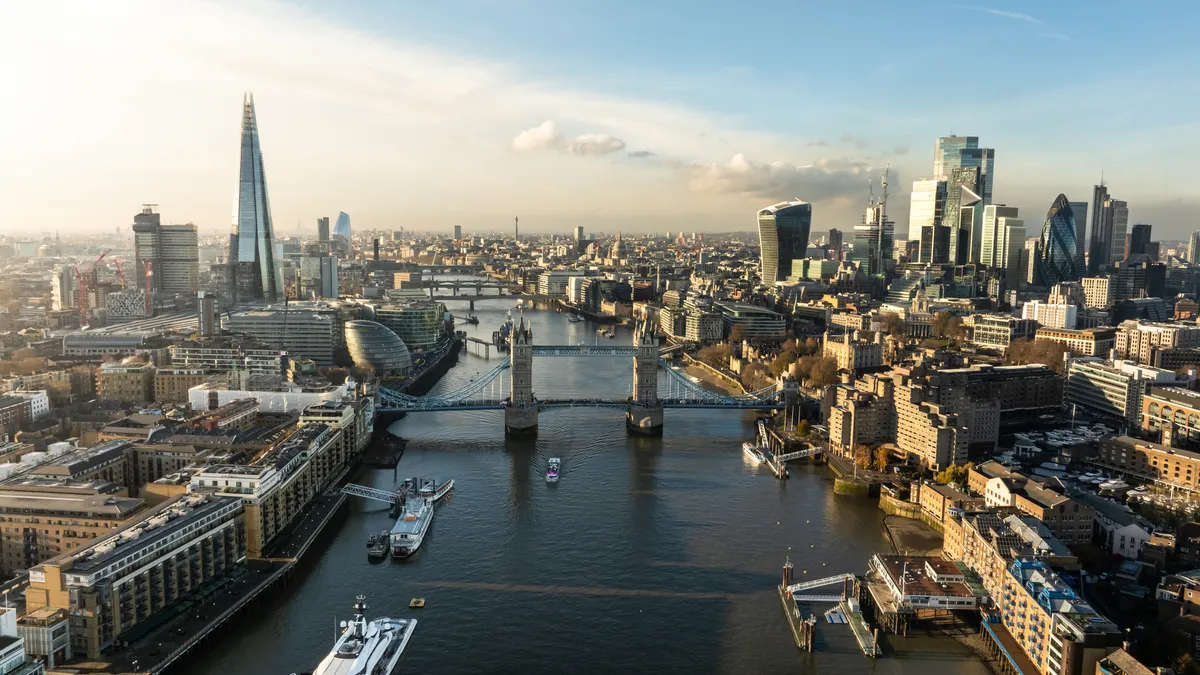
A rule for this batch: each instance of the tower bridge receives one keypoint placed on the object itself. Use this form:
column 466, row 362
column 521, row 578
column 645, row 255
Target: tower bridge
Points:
column 643, row 407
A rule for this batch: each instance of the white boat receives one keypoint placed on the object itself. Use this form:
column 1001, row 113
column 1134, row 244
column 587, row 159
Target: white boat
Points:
column 552, row 467
column 367, row 647
column 1115, row 484
column 753, row 453
column 410, row 528
column 431, row 490
column 574, row 318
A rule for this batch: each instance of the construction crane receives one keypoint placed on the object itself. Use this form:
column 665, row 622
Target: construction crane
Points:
column 120, row 272
column 149, row 296
column 81, row 280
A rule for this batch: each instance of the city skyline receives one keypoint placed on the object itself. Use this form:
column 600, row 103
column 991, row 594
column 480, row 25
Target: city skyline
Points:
column 429, row 114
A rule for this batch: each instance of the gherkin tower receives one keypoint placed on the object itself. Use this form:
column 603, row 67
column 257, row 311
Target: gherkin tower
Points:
column 1057, row 258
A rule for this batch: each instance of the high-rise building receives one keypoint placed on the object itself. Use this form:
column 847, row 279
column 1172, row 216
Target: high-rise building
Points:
column 578, row 233
column 961, row 152
column 1118, row 216
column 783, row 237
column 1008, row 249
column 1080, row 211
column 1101, row 234
column 835, row 244
column 457, row 232
column 173, row 252
column 323, row 228
column 64, row 291
column 1137, row 241
column 925, row 209
column 874, row 239
column 256, row 276
column 329, row 277
column 1193, row 249
column 993, row 251
column 1056, row 259
column 964, row 200
column 341, row 231
column 209, row 323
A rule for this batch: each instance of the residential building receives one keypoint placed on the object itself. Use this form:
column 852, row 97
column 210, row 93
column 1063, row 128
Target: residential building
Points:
column 1172, row 415
column 1112, row 389
column 254, row 272
column 1083, row 342
column 227, row 354
column 1098, row 292
column 939, row 501
column 997, row 331
column 1150, row 461
column 273, row 393
column 862, row 416
column 47, row 635
column 128, row 381
column 173, row 252
column 171, row 384
column 149, row 462
column 105, row 462
column 1050, row 316
column 39, row 403
column 127, row 579
column 783, row 231
column 1119, row 530
column 926, row 430
column 1070, row 520
column 1138, row 340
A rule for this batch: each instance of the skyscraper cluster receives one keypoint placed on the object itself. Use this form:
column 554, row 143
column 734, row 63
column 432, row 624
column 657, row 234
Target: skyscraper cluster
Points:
column 946, row 216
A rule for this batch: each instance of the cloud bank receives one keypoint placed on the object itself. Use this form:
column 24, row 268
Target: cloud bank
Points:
column 825, row 179
column 546, row 136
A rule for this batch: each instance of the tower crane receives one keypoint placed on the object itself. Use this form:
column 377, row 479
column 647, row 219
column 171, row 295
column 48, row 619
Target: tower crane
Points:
column 82, row 281
column 149, row 295
column 120, row 271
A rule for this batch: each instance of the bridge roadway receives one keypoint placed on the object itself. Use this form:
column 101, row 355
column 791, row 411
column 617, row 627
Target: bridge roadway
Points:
column 609, row 403
column 510, row 298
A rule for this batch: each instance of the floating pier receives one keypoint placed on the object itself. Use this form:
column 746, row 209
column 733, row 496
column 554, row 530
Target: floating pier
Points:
column 847, row 611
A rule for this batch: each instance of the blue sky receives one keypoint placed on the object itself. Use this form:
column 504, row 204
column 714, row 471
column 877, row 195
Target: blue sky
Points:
column 394, row 110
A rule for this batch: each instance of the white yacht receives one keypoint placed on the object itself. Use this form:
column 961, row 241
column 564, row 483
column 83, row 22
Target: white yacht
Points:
column 552, row 467
column 753, row 453
column 367, row 647
column 410, row 528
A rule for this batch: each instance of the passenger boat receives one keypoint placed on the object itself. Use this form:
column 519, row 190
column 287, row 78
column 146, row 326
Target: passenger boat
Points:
column 431, row 490
column 409, row 530
column 753, row 453
column 552, row 468
column 367, row 647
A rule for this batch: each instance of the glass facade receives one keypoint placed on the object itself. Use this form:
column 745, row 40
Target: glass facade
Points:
column 993, row 250
column 374, row 346
column 1056, row 259
column 783, row 237
column 963, row 200
column 252, row 247
column 421, row 325
column 341, row 229
column 925, row 209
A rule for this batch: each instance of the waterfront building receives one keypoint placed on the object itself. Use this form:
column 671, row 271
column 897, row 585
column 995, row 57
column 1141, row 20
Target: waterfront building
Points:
column 171, row 384
column 988, row 542
column 783, row 231
column 151, row 461
column 278, row 485
column 274, row 394
column 927, row 431
column 420, row 324
column 1113, row 390
column 45, row 517
column 310, row 333
column 554, row 282
column 997, row 331
column 1057, row 255
column 756, row 324
column 1149, row 461
column 374, row 347
column 47, row 636
column 173, row 252
column 1139, row 340
column 354, row 419
column 127, row 381
column 1084, row 341
column 226, row 354
column 921, row 582
column 1098, row 292
column 1172, row 416
column 125, row 579
column 939, row 501
column 1050, row 316
column 241, row 414
column 864, row 414
column 255, row 274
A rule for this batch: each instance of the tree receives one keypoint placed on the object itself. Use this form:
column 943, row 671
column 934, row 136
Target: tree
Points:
column 825, row 372
column 716, row 355
column 862, row 456
column 893, row 325
column 781, row 363
column 955, row 473
column 947, row 325
column 803, row 428
column 1046, row 352
column 881, row 458
column 737, row 333
column 755, row 377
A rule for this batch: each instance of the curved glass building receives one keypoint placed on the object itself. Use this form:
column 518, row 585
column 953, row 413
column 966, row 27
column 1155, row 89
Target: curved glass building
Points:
column 783, row 237
column 1056, row 261
column 373, row 346
column 256, row 276
column 341, row 229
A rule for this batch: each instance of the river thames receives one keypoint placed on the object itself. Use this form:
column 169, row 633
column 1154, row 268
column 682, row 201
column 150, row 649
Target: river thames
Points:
column 651, row 555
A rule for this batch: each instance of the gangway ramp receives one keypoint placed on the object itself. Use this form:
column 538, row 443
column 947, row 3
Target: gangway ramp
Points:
column 817, row 583
column 817, row 598
column 373, row 493
column 807, row 452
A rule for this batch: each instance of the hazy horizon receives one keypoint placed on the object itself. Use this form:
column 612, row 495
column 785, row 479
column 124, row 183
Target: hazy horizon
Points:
column 627, row 118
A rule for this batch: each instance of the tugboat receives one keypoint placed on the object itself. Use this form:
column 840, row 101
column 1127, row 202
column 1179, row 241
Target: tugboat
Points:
column 371, row 540
column 367, row 648
column 379, row 550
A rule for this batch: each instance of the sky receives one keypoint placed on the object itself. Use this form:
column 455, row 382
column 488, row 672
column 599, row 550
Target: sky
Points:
column 618, row 115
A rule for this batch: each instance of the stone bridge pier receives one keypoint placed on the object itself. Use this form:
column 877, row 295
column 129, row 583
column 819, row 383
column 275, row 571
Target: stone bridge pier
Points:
column 645, row 413
column 521, row 411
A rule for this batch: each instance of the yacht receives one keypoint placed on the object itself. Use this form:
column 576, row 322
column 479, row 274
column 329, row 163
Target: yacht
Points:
column 1115, row 484
column 367, row 647
column 753, row 453
column 552, row 467
column 431, row 490
column 574, row 318
column 409, row 530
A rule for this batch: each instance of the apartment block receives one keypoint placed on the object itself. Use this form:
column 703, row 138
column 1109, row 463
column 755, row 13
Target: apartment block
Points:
column 127, row 382
column 1151, row 461
column 1083, row 342
column 171, row 384
column 860, row 417
column 103, row 462
column 1112, row 389
column 1138, row 340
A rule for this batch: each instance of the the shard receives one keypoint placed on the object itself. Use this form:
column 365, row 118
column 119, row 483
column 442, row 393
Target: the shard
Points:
column 255, row 276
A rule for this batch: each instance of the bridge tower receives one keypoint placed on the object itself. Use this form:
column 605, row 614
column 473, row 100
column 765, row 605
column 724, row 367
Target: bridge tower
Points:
column 521, row 411
column 645, row 413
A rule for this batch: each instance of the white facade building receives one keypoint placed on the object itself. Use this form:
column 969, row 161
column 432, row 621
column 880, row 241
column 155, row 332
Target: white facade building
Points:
column 1050, row 316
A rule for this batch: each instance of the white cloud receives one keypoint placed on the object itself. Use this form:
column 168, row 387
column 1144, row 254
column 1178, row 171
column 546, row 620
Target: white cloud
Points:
column 825, row 179
column 546, row 136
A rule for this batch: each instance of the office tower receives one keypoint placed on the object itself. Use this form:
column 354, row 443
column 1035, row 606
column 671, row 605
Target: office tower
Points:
column 323, row 228
column 255, row 275
column 209, row 321
column 1118, row 216
column 173, row 252
column 993, row 250
column 1138, row 279
column 578, row 233
column 1056, row 259
column 934, row 247
column 1137, row 241
column 783, row 237
column 963, row 199
column 951, row 153
column 1153, row 250
column 328, row 287
column 457, row 232
column 397, row 235
column 376, row 246
column 1100, row 242
column 1029, row 258
column 835, row 243
column 1080, row 211
column 341, row 231
column 1011, row 233
column 925, row 209
column 1193, row 249
column 874, row 239
column 947, row 154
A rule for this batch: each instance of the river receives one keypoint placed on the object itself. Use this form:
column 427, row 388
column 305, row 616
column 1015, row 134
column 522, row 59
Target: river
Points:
column 651, row 555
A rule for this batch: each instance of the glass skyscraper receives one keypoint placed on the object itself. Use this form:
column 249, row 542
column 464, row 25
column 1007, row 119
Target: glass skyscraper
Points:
column 963, row 152
column 256, row 276
column 925, row 209
column 963, row 202
column 783, row 237
column 1056, row 257
column 341, row 229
